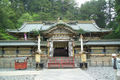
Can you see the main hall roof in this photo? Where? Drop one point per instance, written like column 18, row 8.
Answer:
column 88, row 26
column 44, row 43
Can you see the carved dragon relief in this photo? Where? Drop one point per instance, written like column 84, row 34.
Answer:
column 61, row 33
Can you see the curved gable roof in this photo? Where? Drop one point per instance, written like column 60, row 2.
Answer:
column 88, row 27
column 60, row 25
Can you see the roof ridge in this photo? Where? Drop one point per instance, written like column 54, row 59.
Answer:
column 60, row 23
column 66, row 21
column 16, row 40
column 105, row 40
column 86, row 21
column 34, row 22
column 97, row 26
column 22, row 26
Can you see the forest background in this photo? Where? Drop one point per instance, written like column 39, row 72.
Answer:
column 13, row 13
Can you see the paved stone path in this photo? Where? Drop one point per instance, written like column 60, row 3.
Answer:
column 46, row 74
column 92, row 73
column 66, row 74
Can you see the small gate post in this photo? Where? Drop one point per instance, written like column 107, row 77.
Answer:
column 10, row 64
column 90, row 63
column 3, row 64
column 109, row 63
column 96, row 63
column 102, row 63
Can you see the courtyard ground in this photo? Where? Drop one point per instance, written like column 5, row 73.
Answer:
column 92, row 73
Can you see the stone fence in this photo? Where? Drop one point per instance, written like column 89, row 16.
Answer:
column 9, row 62
column 30, row 64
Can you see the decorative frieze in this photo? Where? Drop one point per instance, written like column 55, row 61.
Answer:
column 60, row 36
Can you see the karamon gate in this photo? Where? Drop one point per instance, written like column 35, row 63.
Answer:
column 61, row 41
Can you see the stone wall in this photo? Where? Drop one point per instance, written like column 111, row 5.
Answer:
column 19, row 51
column 105, row 49
column 8, row 62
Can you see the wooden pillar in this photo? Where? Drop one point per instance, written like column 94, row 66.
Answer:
column 73, row 48
column 3, row 51
column 51, row 49
column 81, row 40
column 104, row 50
column 17, row 51
column 70, row 46
column 48, row 45
column 118, row 51
column 90, row 34
column 31, row 50
column 73, row 52
column 48, row 52
column 39, row 50
column 90, row 49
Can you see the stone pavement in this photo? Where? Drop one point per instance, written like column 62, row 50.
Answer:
column 118, row 75
column 64, row 74
column 46, row 74
column 92, row 73
column 101, row 73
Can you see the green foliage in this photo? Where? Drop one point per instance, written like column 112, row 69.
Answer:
column 117, row 8
column 37, row 32
column 13, row 13
column 6, row 15
column 7, row 19
column 36, row 17
column 24, row 18
column 115, row 24
column 112, row 35
column 6, row 36
column 81, row 31
column 94, row 9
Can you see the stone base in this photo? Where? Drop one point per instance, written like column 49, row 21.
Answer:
column 83, row 65
column 118, row 75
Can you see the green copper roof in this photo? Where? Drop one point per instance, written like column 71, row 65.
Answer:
column 21, row 43
column 44, row 43
column 99, row 42
column 88, row 27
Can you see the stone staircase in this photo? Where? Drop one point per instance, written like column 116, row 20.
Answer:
column 61, row 62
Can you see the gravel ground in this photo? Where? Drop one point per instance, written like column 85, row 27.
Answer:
column 21, row 77
column 92, row 73
column 101, row 73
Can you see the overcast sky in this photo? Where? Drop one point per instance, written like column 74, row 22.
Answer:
column 81, row 1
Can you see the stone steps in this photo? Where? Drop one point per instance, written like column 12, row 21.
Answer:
column 61, row 62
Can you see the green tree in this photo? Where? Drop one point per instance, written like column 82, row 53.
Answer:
column 6, row 15
column 7, row 18
column 14, row 13
column 117, row 9
column 50, row 9
column 115, row 24
column 94, row 9
column 24, row 18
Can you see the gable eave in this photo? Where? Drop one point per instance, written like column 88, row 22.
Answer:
column 55, row 26
column 88, row 27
